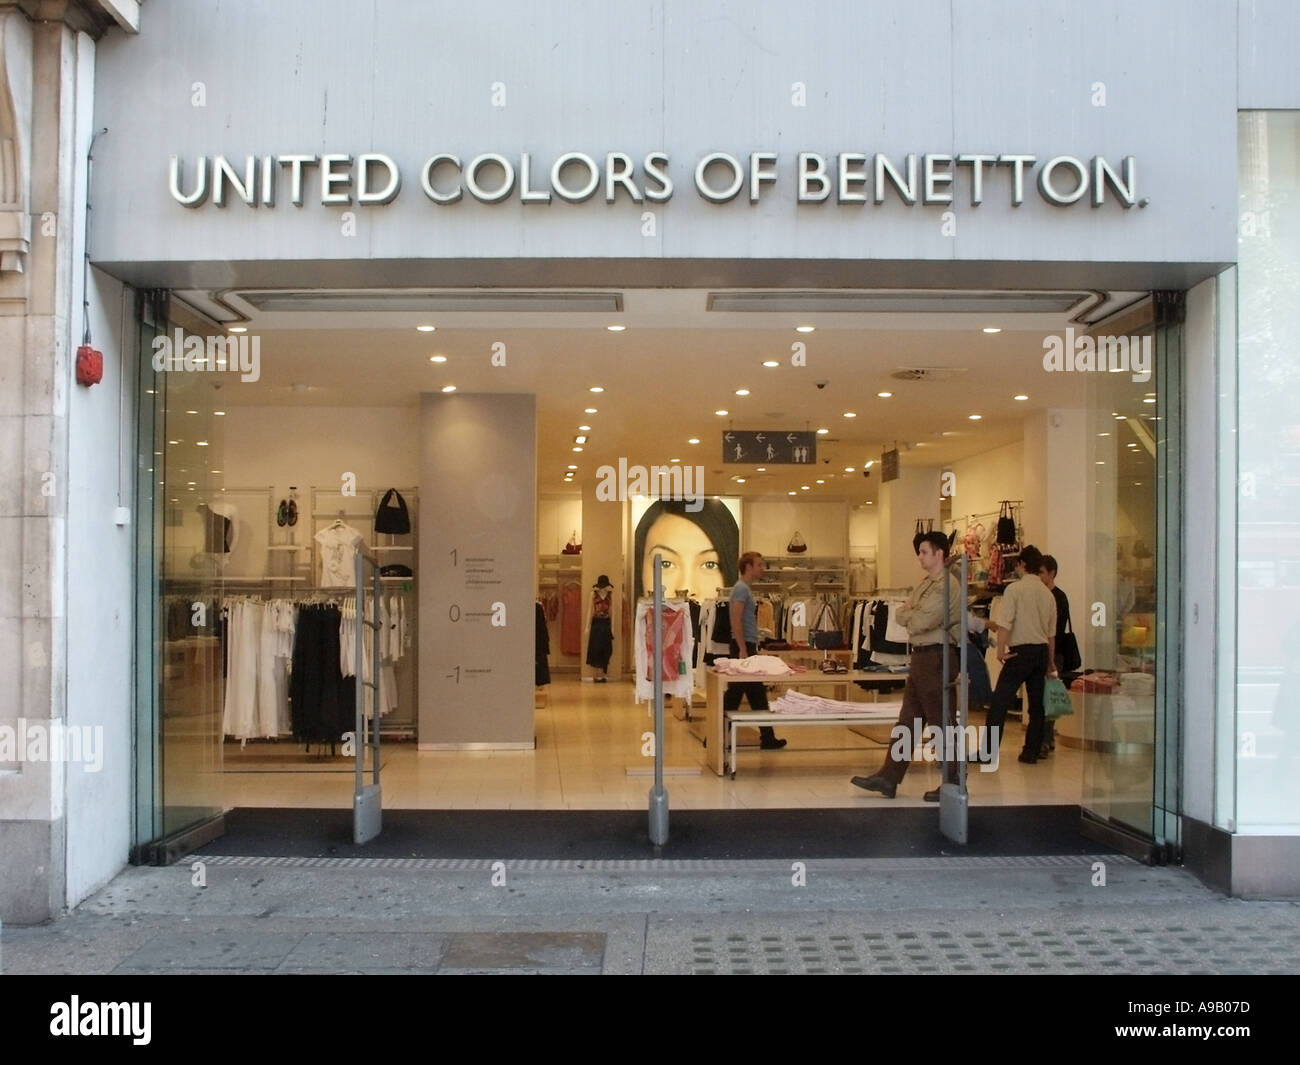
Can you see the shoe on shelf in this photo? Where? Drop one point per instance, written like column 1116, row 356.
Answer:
column 282, row 514
column 771, row 743
column 931, row 796
column 292, row 515
column 1027, row 758
column 876, row 783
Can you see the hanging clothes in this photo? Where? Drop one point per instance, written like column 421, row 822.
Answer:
column 542, row 648
column 321, row 701
column 676, row 650
column 338, row 550
column 571, row 619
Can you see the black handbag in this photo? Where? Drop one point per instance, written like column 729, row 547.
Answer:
column 826, row 639
column 392, row 516
column 1006, row 524
column 1067, row 649
column 395, row 570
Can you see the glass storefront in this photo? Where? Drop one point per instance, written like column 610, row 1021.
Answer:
column 1268, row 475
column 182, row 554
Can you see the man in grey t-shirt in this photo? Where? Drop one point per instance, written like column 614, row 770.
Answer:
column 744, row 642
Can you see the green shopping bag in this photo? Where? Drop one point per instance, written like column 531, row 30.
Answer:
column 1056, row 700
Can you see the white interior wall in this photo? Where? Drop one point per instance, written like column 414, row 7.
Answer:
column 304, row 446
column 864, row 525
column 914, row 495
column 558, row 518
column 768, row 526
column 983, row 481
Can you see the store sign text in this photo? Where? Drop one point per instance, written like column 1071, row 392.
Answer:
column 373, row 178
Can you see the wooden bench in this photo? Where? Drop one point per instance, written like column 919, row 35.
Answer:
column 870, row 714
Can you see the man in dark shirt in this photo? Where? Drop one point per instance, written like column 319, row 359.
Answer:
column 1047, row 571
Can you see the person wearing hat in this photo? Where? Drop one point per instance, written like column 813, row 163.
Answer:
column 600, row 637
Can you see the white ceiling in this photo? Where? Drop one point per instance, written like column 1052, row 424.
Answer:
column 673, row 366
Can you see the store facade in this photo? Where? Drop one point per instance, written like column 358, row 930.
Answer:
column 310, row 161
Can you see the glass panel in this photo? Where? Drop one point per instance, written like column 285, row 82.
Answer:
column 1118, row 700
column 182, row 564
column 1268, row 447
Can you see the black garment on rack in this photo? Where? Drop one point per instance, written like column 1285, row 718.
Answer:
column 722, row 622
column 879, row 625
column 542, row 665
column 322, row 702
column 696, row 611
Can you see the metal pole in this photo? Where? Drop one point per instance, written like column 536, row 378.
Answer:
column 658, row 796
column 359, row 735
column 376, row 604
column 963, row 690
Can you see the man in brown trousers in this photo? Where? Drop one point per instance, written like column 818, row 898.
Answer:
column 922, row 616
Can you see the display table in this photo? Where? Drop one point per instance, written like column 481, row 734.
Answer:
column 715, row 728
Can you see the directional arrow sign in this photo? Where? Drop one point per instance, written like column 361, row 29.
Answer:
column 762, row 447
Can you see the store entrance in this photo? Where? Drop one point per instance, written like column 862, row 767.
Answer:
column 819, row 433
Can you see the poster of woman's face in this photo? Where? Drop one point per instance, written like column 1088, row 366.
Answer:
column 699, row 549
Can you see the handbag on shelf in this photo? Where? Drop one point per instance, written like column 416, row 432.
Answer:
column 825, row 633
column 572, row 547
column 1056, row 700
column 796, row 546
column 1006, row 524
column 391, row 516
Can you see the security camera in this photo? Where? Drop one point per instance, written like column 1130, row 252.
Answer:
column 822, row 384
column 866, row 473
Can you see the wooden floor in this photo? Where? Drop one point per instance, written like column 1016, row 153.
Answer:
column 588, row 756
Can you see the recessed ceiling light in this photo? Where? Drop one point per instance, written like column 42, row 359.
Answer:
column 820, row 481
column 584, row 428
column 1022, row 397
column 200, row 443
column 992, row 329
column 884, row 395
column 1137, row 484
column 173, row 441
column 572, row 467
column 848, row 469
column 191, row 484
column 426, row 328
column 238, row 329
column 449, row 388
column 870, row 501
column 868, row 464
column 693, row 440
column 976, row 417
column 674, row 460
column 740, row 480
column 579, row 439
column 616, row 328
column 214, row 471
column 771, row 363
column 804, row 328
column 1148, row 400
column 437, row 358
column 762, row 469
column 219, row 412
column 191, row 412
column 589, row 410
column 742, row 391
column 804, row 487
column 720, row 412
column 849, row 414
column 1100, row 462
column 595, row 388
column 822, row 432
column 1103, row 434
column 791, row 493
column 577, row 449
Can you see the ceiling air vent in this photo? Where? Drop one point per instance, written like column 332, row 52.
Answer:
column 927, row 373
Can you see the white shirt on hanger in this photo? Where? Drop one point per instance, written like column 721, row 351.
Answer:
column 338, row 550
